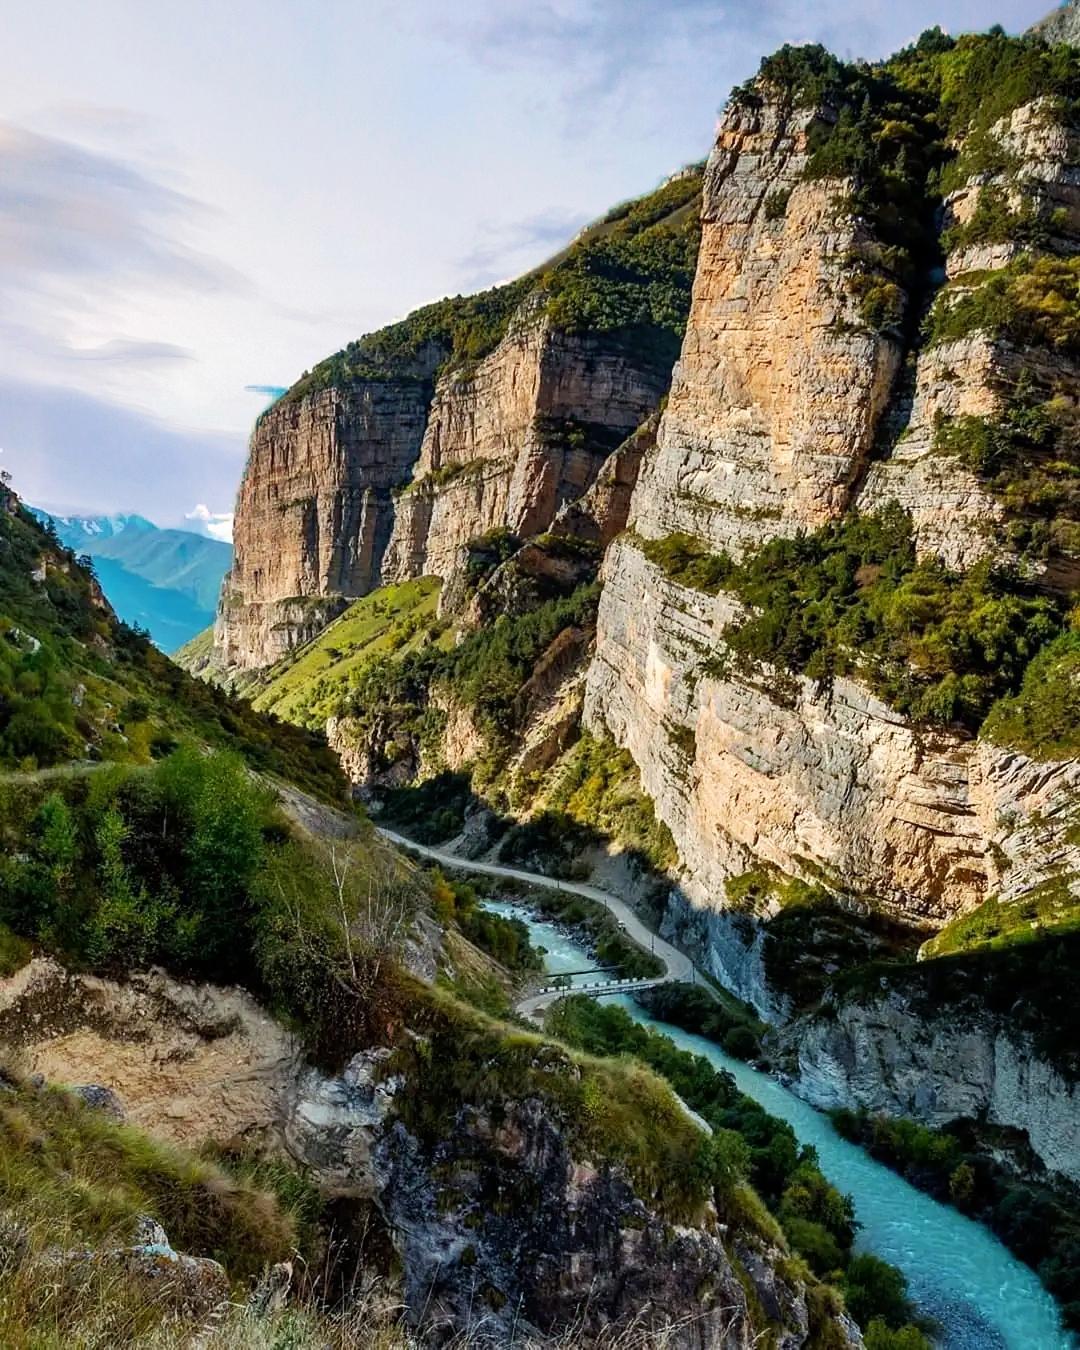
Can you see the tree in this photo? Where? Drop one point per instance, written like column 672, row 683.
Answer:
column 875, row 1290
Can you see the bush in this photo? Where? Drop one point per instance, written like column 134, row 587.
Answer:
column 880, row 1336
column 1032, row 302
column 688, row 562
column 741, row 1043
column 876, row 1291
column 776, row 204
column 814, row 1242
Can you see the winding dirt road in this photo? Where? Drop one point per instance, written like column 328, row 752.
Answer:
column 678, row 965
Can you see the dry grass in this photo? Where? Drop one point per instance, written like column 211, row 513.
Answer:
column 113, row 1314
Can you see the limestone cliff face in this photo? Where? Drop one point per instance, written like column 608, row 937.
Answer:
column 314, row 511
column 953, row 515
column 890, row 1055
column 385, row 479
column 512, row 442
column 837, row 786
column 603, row 511
column 1062, row 24
column 781, row 408
column 562, row 1228
column 775, row 401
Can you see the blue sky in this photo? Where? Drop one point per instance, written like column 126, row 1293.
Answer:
column 199, row 201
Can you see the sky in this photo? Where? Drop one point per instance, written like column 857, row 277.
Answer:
column 198, row 202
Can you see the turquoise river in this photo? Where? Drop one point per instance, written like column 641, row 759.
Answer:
column 981, row 1296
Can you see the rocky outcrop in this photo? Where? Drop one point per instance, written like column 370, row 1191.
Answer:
column 954, row 516
column 1062, row 24
column 604, row 510
column 828, row 785
column 776, row 398
column 786, row 410
column 314, row 511
column 189, row 1286
column 896, row 1056
column 188, row 1062
column 501, row 1229
column 511, row 442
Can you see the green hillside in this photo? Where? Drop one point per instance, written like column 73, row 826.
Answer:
column 308, row 686
column 79, row 684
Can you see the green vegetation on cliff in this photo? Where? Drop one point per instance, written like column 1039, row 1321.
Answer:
column 852, row 599
column 1034, row 302
column 1043, row 718
column 1050, row 908
column 1028, row 457
column 906, row 131
column 629, row 275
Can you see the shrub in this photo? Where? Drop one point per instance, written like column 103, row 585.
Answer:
column 880, row 1336
column 776, row 204
column 688, row 562
column 875, row 1291
column 814, row 1242
column 741, row 1043
column 1032, row 302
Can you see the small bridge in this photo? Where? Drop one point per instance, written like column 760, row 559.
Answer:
column 599, row 988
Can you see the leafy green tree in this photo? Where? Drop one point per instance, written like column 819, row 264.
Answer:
column 875, row 1290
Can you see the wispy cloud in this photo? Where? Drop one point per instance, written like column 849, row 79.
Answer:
column 503, row 250
column 69, row 212
column 267, row 390
column 132, row 351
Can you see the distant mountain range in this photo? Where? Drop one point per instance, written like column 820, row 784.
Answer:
column 166, row 581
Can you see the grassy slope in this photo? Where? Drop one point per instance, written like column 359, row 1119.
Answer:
column 303, row 688
column 78, row 684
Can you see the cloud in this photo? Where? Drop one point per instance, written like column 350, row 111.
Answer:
column 592, row 50
column 68, row 212
column 217, row 524
column 92, row 246
column 505, row 250
column 596, row 46
column 269, row 390
column 132, row 351
column 70, row 451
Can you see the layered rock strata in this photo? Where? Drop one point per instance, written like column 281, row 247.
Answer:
column 314, row 511
column 510, row 443
column 775, row 401
column 895, row 1056
column 773, row 424
column 390, row 478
